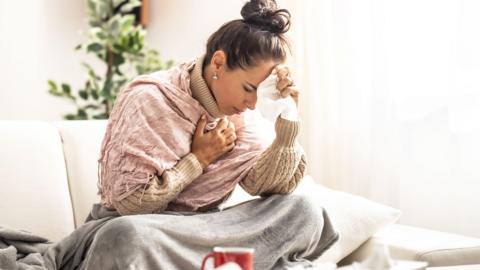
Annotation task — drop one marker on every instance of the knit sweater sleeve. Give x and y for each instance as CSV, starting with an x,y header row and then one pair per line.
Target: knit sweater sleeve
x,y
281,166
161,190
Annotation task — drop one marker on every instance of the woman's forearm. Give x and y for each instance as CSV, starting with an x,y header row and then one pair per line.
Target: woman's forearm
x,y
281,166
161,190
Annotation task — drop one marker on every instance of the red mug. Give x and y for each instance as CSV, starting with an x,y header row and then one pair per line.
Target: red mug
x,y
239,255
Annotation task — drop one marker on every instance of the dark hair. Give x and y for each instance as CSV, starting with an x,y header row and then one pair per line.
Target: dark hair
x,y
260,35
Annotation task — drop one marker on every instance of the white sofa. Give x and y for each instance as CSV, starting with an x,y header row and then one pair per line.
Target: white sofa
x,y
48,177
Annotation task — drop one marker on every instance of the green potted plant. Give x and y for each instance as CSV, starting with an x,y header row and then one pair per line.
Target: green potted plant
x,y
119,43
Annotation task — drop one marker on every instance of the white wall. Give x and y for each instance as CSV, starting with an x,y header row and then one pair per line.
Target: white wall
x,y
37,44
180,28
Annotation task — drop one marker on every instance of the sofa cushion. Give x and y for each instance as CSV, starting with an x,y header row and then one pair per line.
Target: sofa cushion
x,y
413,243
81,143
34,188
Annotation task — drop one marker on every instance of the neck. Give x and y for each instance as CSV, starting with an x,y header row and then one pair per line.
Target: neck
x,y
201,88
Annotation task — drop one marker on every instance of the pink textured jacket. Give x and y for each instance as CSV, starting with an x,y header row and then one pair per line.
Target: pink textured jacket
x,y
151,128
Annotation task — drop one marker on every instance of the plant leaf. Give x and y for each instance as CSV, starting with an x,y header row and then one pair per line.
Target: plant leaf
x,y
91,106
94,94
82,114
66,89
83,94
118,59
52,85
70,117
128,7
100,116
114,24
116,3
126,22
94,47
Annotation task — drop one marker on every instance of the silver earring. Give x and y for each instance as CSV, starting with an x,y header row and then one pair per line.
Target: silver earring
x,y
215,77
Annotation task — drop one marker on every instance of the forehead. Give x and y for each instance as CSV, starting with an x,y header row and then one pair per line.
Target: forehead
x,y
256,74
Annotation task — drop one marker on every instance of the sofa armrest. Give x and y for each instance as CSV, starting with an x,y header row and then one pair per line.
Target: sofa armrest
x,y
417,244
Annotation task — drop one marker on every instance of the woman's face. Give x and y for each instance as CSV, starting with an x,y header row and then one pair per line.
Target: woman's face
x,y
235,90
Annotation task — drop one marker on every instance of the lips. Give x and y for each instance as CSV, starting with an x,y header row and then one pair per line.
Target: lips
x,y
238,111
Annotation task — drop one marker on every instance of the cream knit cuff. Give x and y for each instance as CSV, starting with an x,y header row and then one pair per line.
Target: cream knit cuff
x,y
286,131
189,167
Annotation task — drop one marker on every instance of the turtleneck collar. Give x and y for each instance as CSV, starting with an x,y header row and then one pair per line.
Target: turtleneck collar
x,y
200,90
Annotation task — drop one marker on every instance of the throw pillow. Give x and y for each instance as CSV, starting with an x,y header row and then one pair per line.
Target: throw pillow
x,y
355,218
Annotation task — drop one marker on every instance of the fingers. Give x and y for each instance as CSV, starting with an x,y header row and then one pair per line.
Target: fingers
x,y
281,71
284,82
221,125
229,130
202,122
229,144
290,91
229,147
225,132
230,138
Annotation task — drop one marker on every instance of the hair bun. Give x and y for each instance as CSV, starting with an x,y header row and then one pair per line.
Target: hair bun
x,y
265,15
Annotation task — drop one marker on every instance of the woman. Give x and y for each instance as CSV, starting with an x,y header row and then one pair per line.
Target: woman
x,y
178,142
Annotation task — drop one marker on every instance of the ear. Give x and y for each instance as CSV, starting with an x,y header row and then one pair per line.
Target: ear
x,y
219,60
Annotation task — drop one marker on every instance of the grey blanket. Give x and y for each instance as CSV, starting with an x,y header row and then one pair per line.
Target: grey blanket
x,y
285,231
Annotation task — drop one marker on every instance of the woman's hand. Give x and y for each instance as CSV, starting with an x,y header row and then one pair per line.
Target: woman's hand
x,y
285,83
209,146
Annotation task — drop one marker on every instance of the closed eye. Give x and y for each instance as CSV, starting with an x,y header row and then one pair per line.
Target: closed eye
x,y
248,89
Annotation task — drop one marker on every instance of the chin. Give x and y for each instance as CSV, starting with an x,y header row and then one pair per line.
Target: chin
x,y
229,112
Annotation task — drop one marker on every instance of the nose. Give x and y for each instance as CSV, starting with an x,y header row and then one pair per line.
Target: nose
x,y
251,101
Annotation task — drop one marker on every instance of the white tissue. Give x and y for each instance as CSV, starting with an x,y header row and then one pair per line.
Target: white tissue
x,y
379,259
271,104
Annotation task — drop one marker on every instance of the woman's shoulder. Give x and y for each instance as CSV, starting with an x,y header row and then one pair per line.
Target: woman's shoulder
x,y
158,89
176,78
